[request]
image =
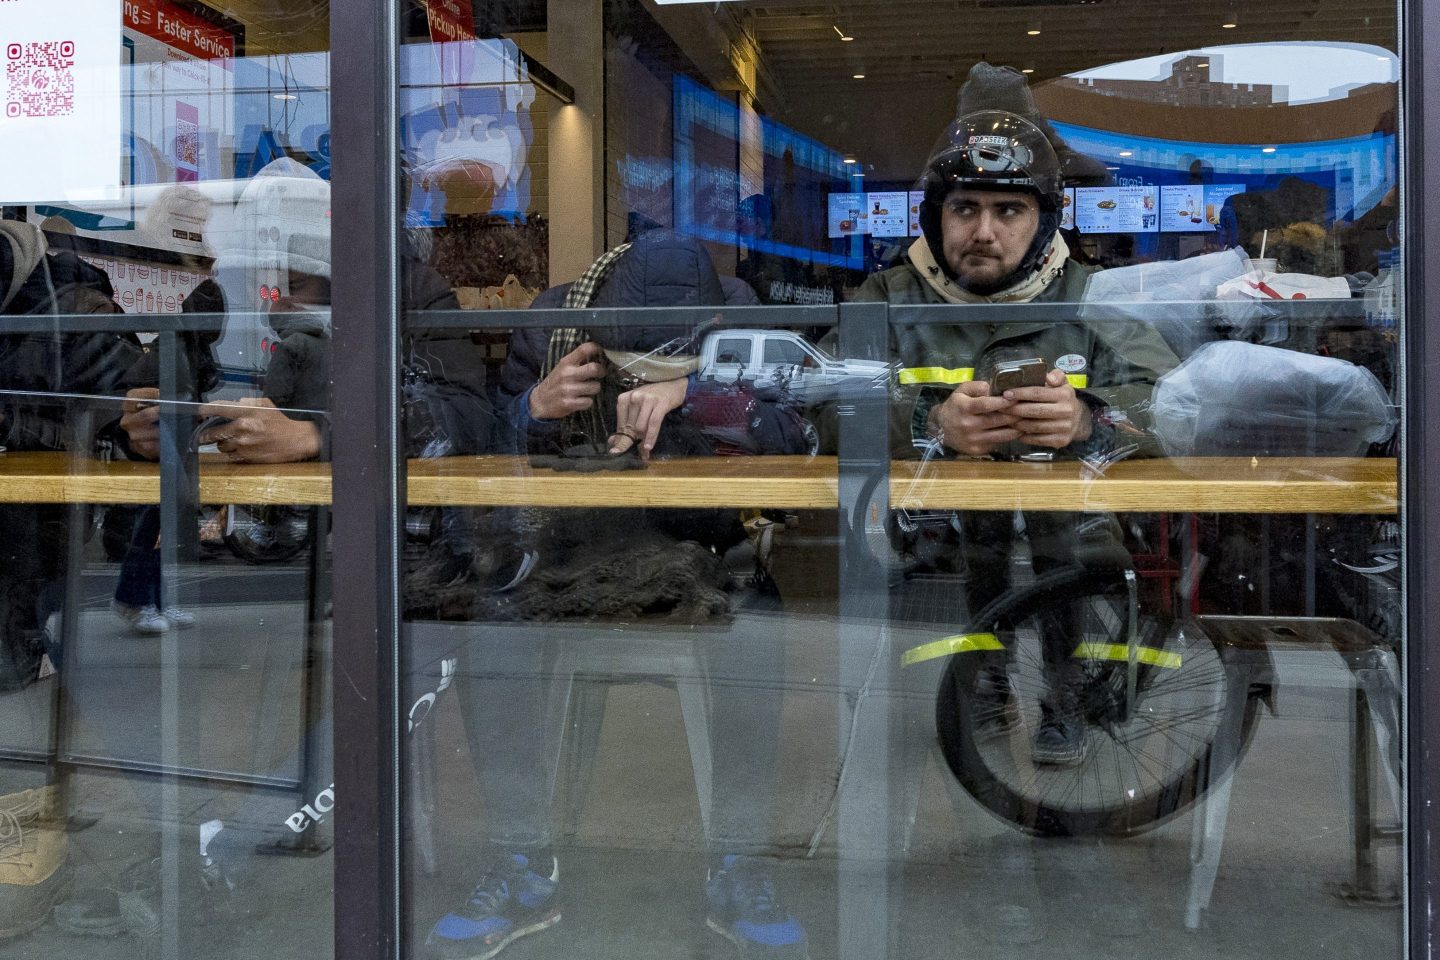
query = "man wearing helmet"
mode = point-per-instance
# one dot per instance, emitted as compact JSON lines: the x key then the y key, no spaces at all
{"x":990,"y":222}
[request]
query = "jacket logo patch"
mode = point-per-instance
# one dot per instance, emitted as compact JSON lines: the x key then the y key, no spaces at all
{"x":1071,"y":363}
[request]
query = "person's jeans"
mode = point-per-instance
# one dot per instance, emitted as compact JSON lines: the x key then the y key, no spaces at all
{"x":140,"y":579}
{"x":503,"y":693}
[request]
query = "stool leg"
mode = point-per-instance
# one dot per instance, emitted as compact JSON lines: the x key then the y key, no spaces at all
{"x":581,"y":742}
{"x":696,"y":713}
{"x":1212,"y":809}
{"x":423,"y":797}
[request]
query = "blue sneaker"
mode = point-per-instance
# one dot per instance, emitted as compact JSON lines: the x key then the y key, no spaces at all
{"x":745,"y":911}
{"x":510,"y":901}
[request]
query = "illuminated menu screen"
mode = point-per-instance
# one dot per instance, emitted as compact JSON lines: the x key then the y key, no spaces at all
{"x":1131,"y":209}
{"x":1067,"y":210}
{"x":887,"y":214}
{"x":1194,"y":208}
{"x":917,"y":197}
{"x":847,"y":214}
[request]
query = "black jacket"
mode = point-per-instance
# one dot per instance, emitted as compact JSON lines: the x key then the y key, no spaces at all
{"x":444,"y":404}
{"x":661,"y":269}
{"x":39,"y":371}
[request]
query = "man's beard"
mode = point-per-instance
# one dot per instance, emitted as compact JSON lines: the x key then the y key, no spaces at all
{"x":986,"y":288}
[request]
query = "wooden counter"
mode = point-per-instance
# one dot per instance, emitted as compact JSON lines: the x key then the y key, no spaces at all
{"x":1218,"y":484}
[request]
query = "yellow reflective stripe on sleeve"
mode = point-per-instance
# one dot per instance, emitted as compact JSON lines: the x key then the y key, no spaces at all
{"x":1118,"y":651}
{"x":1077,"y":380}
{"x":961,"y":643}
{"x":950,"y":375}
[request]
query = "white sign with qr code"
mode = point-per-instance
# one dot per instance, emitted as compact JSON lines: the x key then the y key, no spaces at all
{"x":61,"y":117}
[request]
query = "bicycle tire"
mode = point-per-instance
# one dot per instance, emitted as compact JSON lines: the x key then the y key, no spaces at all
{"x":1139,"y":770}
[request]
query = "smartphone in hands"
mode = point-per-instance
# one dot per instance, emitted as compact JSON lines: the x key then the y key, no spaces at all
{"x":1010,"y":374}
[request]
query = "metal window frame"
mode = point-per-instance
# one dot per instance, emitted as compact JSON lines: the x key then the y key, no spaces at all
{"x":369,"y":473}
{"x":1420,"y":196}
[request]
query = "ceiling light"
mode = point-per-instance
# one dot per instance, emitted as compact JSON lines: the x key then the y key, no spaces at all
{"x":849,"y":159}
{"x":1033,"y":29}
{"x":1267,"y":149}
{"x":1231,"y":21}
{"x":859,"y":76}
{"x":1202,"y":65}
{"x":1028,"y":68}
{"x":1127,"y":153}
{"x":843,"y":35}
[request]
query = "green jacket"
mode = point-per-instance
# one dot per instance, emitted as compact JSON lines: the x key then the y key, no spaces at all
{"x":1113,"y":365}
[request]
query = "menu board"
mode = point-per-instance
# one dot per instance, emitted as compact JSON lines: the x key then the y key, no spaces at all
{"x":887,"y":214}
{"x":1129,"y":209}
{"x":916,"y":198}
{"x":847,"y":214}
{"x":1194,"y":208}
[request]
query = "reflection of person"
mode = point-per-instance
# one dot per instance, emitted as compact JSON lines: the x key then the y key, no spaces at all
{"x":990,"y":219}
{"x":40,"y":374}
{"x":445,"y":412}
{"x":672,"y":567}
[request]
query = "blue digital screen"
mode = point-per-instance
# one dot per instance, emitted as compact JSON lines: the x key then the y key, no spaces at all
{"x":773,"y":201}
{"x":1358,"y":171}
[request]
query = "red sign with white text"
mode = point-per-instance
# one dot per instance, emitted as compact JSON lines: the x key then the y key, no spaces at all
{"x":181,"y":29}
{"x":450,"y":20}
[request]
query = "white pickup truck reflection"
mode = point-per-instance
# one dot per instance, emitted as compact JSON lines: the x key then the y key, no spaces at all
{"x":780,"y":357}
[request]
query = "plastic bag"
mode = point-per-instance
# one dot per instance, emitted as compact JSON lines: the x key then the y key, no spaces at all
{"x":1131,"y":293}
{"x":1263,"y":284}
{"x":1243,"y":399}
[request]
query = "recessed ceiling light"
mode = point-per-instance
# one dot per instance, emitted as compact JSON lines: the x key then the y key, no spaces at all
{"x":1127,"y":153}
{"x":1033,"y":29}
{"x":859,"y":76}
{"x":1027,"y":69}
{"x":1231,"y":22}
{"x":1267,"y":149}
{"x":849,"y":159}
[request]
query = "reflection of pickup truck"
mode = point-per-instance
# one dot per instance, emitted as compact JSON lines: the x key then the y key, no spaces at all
{"x":779,"y":356}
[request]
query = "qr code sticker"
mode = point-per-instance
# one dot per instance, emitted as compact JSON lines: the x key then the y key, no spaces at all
{"x":40,"y":79}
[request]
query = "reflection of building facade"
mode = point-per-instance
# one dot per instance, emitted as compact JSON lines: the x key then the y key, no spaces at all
{"x":1188,"y":85}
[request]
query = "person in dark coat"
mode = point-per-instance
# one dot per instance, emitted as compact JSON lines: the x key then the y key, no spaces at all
{"x":39,"y":371}
{"x":598,"y":566}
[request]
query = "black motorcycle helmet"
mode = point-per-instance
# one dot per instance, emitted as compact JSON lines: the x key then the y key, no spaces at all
{"x":992,"y":150}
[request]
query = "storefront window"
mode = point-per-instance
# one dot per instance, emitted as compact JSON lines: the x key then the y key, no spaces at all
{"x":875,"y":477}
{"x":920,"y":478}
{"x":164,"y":395}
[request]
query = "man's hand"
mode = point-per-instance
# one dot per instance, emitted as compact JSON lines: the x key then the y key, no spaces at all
{"x":259,"y":433}
{"x":1051,"y":416}
{"x":640,"y":412}
{"x":972,"y":422}
{"x":141,"y":421}
{"x":571,"y":386}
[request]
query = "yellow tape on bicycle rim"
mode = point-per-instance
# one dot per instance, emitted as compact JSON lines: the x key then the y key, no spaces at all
{"x":960,"y":643}
{"x":1150,"y":656}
